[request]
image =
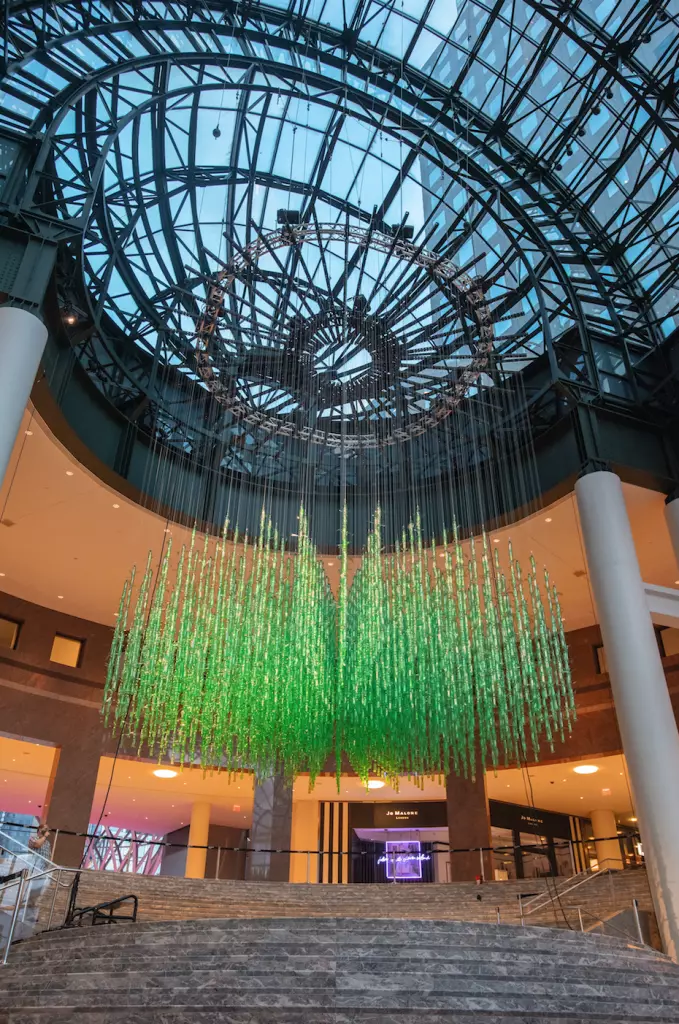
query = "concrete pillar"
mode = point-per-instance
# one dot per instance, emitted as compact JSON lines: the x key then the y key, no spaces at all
{"x":642,"y":702}
{"x":604,"y":827}
{"x":199,"y":829}
{"x":271,"y":830}
{"x":68,"y":802}
{"x":468,"y":826}
{"x":672,"y":520}
{"x":22,"y":343}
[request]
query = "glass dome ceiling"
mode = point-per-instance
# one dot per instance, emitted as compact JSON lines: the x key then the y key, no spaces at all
{"x":534,"y":148}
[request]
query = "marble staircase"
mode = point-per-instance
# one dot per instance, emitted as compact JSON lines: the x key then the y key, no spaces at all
{"x":334,"y":971}
{"x":166,"y":899}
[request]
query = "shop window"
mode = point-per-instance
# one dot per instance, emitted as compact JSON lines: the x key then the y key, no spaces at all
{"x":9,"y":633}
{"x":66,"y":651}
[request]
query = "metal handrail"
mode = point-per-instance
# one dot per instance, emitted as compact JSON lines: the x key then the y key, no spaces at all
{"x":24,"y":882}
{"x":571,"y":880}
{"x":559,"y":893}
{"x":616,"y":931}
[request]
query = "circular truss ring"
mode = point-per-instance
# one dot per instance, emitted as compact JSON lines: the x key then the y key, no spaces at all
{"x":439,"y":267}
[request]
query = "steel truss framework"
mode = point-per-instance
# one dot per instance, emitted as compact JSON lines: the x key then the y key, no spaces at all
{"x":542,"y":136}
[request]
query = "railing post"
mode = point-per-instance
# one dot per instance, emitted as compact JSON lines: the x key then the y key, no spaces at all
{"x":637,"y":921}
{"x":15,"y":915}
{"x":219,"y":853}
{"x":483,"y":874}
{"x":570,"y":850}
{"x":54,"y":844}
{"x":497,"y":912}
{"x":582,"y":923}
{"x":308,"y":865}
{"x":523,"y":920}
{"x":57,"y":882}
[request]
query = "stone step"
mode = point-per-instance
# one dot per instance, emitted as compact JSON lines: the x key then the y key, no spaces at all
{"x":197,"y":1015}
{"x":337,"y":977}
{"x":334,"y":971}
{"x":487,"y":965}
{"x":358,"y":1002}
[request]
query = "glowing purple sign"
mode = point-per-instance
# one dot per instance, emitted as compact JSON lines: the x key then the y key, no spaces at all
{"x":403,"y":860}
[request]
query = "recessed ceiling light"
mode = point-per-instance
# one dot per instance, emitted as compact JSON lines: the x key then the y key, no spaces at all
{"x":2,"y":574}
{"x":29,"y":433}
{"x":606,"y":791}
{"x":496,"y":540}
{"x":60,"y":597}
{"x":585,"y":769}
{"x":376,"y":783}
{"x":115,"y":506}
{"x":548,"y":519}
{"x":331,"y":563}
{"x":69,"y":472}
{"x":165,"y":773}
{"x":633,"y":819}
{"x":676,"y":583}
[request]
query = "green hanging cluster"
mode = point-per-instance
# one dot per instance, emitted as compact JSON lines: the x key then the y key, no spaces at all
{"x":448,"y":663}
{"x":243,"y":659}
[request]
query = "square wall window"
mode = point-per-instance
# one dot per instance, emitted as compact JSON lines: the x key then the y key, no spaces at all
{"x":66,"y":651}
{"x":669,"y":638}
{"x":9,"y":633}
{"x":600,"y":659}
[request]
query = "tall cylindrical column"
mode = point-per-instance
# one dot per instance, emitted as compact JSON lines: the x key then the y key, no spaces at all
{"x":22,"y":343}
{"x":469,"y":827}
{"x":605,"y":830}
{"x":672,"y":520}
{"x":199,"y":829}
{"x":642,"y":702}
{"x":271,"y":831}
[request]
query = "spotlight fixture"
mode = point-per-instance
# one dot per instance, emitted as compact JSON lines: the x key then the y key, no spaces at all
{"x":290,"y":218}
{"x":585,"y":769}
{"x":217,"y":132}
{"x":376,"y":783}
{"x":165,"y":773}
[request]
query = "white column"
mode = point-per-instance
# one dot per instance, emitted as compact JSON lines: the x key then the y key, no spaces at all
{"x":199,"y":831}
{"x":22,"y":343}
{"x":672,"y":519}
{"x":642,"y":702}
{"x":605,"y":830}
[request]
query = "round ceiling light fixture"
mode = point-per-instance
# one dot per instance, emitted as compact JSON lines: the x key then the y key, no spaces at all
{"x":165,"y":773}
{"x":376,"y":783}
{"x":586,"y":769}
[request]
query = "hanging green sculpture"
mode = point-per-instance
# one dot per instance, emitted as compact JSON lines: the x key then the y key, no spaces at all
{"x":429,"y":662}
